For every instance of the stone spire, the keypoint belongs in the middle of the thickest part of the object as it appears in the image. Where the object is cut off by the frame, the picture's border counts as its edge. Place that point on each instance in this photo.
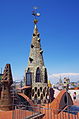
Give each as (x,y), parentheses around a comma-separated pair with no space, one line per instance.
(36,72)
(36,52)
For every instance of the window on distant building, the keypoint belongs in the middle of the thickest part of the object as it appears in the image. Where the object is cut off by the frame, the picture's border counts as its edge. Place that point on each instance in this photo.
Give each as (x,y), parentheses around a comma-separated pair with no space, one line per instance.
(38,75)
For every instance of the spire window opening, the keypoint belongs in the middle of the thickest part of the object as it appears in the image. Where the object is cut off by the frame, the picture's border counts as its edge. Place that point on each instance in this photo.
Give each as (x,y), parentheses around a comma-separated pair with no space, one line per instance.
(41,89)
(45,80)
(44,92)
(28,77)
(32,45)
(34,34)
(38,79)
(30,59)
(38,93)
(35,89)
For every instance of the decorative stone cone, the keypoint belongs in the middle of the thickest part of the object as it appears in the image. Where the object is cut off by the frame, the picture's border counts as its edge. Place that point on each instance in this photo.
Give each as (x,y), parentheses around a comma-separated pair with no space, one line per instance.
(5,95)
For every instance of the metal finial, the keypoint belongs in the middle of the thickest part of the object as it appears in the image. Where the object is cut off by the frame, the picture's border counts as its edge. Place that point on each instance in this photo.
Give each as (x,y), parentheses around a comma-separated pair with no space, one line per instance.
(35,14)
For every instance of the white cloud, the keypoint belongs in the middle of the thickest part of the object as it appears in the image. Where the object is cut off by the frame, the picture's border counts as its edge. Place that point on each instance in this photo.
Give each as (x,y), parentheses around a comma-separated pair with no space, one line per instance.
(63,74)
(55,77)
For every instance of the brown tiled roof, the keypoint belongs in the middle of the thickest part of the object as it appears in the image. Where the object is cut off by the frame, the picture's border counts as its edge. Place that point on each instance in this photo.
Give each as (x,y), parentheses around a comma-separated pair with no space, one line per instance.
(16,114)
(49,113)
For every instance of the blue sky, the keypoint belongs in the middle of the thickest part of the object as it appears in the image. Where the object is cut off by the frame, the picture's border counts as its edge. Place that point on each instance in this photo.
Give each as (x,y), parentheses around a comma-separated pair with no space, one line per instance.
(59,31)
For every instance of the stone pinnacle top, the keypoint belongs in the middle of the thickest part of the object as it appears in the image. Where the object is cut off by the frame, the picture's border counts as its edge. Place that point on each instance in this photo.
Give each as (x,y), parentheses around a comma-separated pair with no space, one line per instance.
(36,72)
(36,57)
(7,75)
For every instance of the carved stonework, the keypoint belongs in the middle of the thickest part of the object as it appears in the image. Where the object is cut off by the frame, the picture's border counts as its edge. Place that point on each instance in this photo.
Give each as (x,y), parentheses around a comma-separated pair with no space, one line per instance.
(5,96)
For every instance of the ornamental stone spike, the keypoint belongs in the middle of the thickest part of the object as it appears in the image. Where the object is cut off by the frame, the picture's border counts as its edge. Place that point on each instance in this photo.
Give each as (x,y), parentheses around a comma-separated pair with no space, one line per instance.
(6,100)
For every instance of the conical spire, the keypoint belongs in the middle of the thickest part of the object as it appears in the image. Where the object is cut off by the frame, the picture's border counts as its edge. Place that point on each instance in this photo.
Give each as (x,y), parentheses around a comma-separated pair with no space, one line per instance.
(7,74)
(5,94)
(36,72)
(36,57)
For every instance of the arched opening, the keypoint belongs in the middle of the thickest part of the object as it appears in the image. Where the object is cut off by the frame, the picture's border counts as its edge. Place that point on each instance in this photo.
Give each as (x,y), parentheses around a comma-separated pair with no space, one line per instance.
(38,75)
(38,93)
(35,89)
(65,99)
(44,92)
(32,45)
(28,77)
(30,59)
(41,89)
(34,34)
(45,80)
